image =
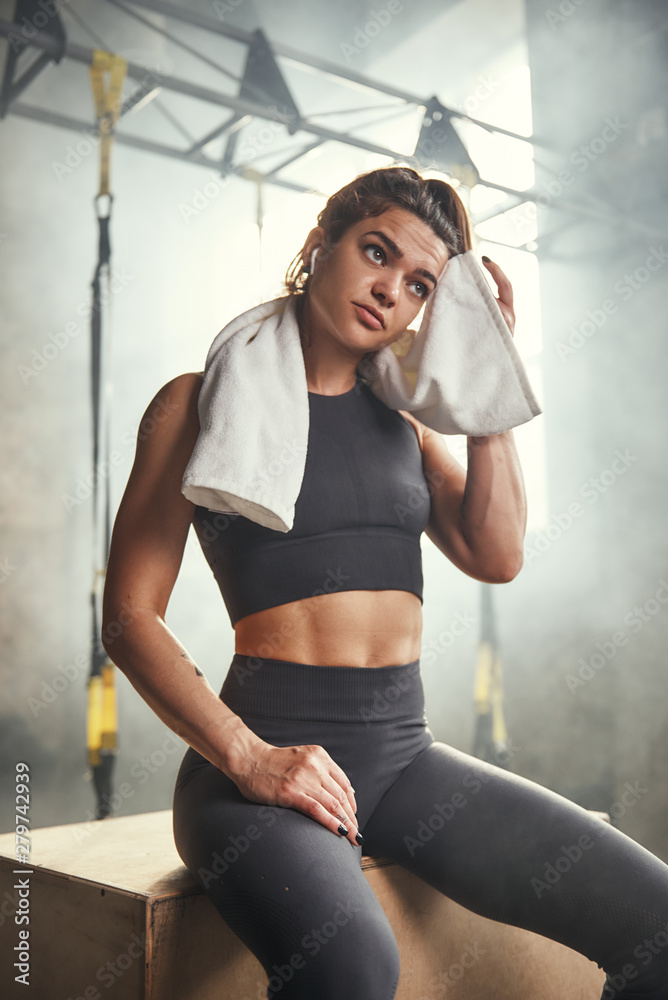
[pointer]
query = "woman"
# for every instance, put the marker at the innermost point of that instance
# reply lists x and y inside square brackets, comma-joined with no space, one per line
[318,742]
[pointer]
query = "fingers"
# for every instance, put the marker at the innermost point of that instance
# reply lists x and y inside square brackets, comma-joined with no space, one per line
[336,796]
[331,795]
[308,779]
[330,815]
[505,289]
[336,801]
[502,282]
[344,781]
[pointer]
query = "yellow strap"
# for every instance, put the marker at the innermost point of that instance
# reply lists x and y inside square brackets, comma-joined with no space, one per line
[488,690]
[108,104]
[102,724]
[483,679]
[109,716]
[499,733]
[94,720]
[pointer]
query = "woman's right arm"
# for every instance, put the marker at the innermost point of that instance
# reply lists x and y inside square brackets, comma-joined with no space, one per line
[145,555]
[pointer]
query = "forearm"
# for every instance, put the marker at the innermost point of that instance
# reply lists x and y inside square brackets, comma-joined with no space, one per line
[493,513]
[167,678]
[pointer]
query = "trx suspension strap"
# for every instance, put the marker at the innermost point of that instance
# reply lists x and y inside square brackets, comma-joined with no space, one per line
[102,740]
[491,740]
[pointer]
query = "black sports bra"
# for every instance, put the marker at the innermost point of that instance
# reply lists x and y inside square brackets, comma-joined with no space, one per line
[363,504]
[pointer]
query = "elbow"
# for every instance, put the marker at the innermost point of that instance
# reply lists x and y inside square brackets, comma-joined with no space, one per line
[115,623]
[108,637]
[509,569]
[503,570]
[107,643]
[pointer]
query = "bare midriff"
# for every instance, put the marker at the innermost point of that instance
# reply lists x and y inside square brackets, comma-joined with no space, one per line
[355,628]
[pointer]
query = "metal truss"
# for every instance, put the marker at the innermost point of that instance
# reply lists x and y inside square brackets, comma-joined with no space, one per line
[262,95]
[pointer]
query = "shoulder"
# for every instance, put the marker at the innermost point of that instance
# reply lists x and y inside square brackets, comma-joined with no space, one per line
[182,389]
[179,394]
[172,415]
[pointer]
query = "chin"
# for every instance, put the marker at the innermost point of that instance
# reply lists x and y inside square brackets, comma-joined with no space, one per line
[367,346]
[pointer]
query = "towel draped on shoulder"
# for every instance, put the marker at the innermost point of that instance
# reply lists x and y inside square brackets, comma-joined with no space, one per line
[461,373]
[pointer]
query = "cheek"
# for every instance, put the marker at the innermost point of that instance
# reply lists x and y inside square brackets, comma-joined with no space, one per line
[336,280]
[410,312]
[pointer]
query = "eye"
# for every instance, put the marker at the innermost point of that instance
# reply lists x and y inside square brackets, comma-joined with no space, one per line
[424,292]
[375,247]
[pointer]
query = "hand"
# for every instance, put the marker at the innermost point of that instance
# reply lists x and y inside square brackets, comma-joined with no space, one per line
[505,299]
[303,778]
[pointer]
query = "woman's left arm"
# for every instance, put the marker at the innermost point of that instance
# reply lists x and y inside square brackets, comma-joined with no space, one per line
[478,515]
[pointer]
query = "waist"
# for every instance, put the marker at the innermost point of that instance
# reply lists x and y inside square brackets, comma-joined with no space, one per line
[283,689]
[364,629]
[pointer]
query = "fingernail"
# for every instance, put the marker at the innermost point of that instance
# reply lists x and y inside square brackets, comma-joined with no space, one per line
[359,838]
[342,830]
[487,260]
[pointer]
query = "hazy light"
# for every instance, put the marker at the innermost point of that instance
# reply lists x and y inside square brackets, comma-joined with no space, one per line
[510,162]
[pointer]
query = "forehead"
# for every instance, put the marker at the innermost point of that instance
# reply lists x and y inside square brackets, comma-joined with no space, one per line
[418,241]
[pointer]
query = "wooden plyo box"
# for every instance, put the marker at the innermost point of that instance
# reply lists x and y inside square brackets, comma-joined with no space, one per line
[115,914]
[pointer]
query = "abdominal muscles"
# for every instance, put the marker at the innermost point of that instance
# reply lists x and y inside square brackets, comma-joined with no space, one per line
[355,628]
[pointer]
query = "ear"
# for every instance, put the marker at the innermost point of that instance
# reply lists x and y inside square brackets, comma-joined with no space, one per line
[316,238]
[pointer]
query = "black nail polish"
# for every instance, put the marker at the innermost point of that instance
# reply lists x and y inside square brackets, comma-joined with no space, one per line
[487,260]
[342,830]
[359,838]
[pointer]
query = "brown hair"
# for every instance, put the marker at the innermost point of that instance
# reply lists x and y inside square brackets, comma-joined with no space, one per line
[370,194]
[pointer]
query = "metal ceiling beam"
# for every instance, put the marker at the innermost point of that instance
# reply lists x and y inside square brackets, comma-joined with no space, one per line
[83,54]
[315,62]
[77,125]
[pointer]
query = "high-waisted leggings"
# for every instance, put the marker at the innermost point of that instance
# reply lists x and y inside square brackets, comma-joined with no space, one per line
[496,843]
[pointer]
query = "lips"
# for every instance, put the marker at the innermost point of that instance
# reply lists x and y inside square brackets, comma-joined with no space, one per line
[370,312]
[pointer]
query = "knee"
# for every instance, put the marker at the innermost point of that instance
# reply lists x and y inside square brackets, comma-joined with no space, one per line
[380,965]
[363,967]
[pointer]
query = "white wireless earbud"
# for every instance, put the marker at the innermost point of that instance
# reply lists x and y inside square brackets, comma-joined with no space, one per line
[313,256]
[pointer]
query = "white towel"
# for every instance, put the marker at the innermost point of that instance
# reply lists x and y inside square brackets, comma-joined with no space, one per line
[462,374]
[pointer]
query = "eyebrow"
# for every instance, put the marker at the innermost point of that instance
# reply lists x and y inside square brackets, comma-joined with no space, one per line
[392,246]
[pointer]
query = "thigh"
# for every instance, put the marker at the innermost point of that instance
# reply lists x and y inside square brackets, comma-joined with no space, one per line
[514,851]
[292,890]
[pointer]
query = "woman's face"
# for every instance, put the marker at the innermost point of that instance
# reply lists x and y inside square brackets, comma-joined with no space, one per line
[390,262]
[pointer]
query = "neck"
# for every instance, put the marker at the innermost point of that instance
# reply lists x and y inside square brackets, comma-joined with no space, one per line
[329,372]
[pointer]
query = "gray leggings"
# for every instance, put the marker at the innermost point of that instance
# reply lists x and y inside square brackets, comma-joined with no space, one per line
[496,843]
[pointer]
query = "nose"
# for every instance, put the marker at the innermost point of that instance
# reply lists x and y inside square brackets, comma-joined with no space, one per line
[386,286]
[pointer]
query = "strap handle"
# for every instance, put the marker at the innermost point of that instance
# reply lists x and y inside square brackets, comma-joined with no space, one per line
[108,104]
